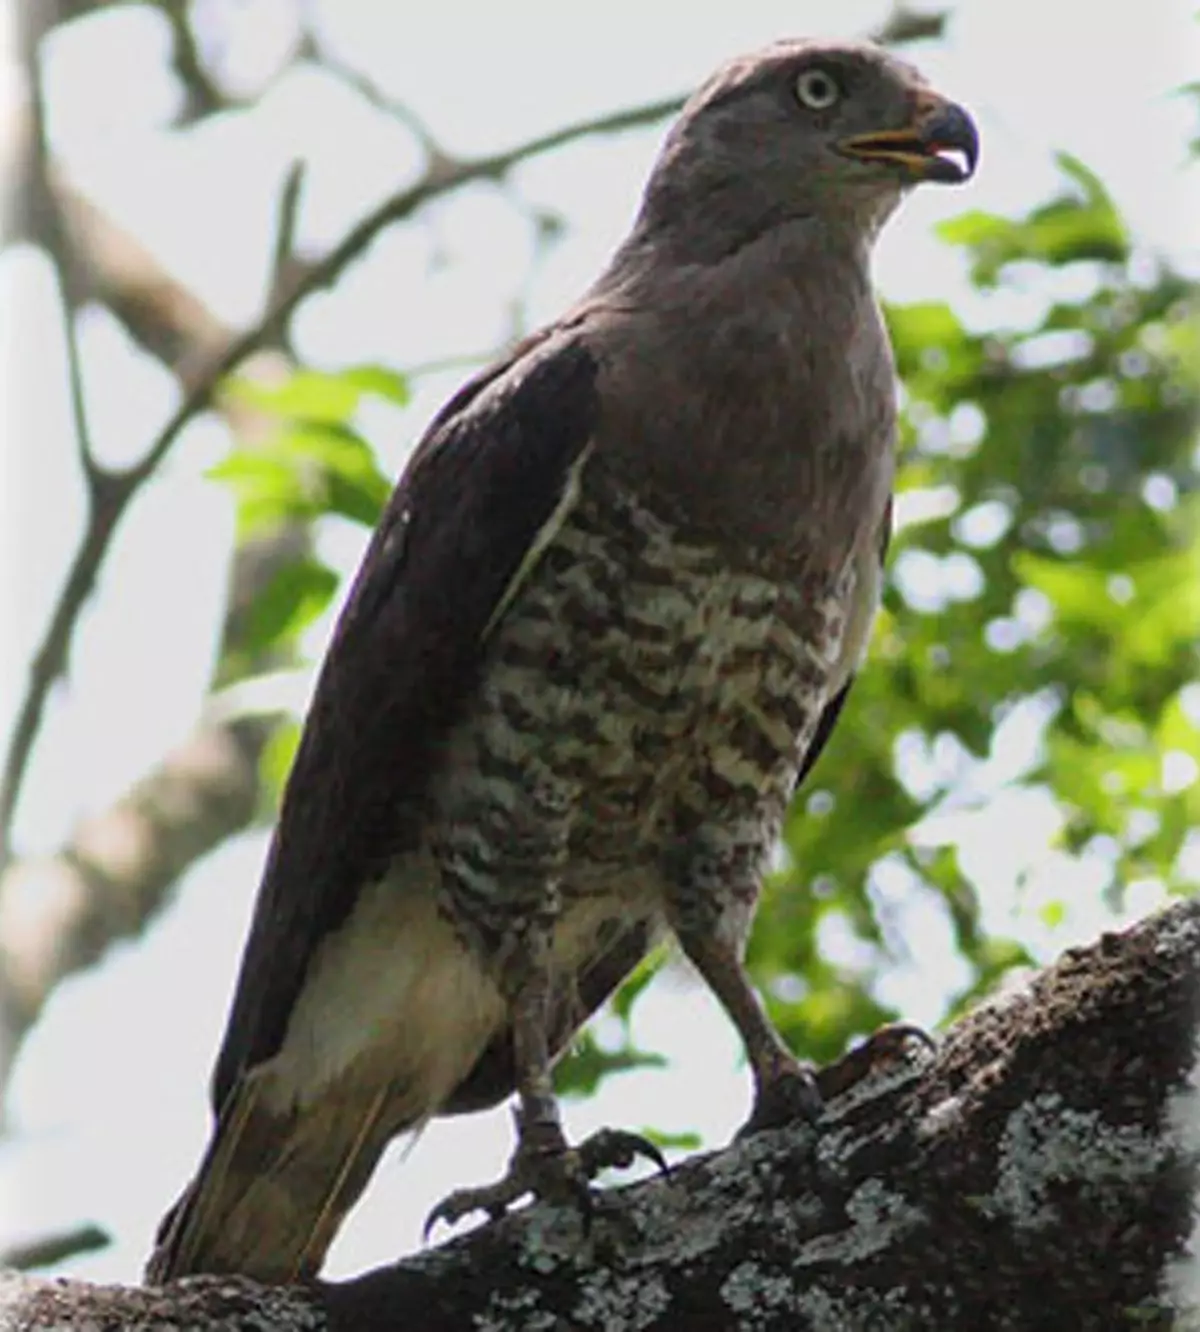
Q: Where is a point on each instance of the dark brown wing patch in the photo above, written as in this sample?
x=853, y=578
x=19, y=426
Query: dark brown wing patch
x=404, y=662
x=833, y=709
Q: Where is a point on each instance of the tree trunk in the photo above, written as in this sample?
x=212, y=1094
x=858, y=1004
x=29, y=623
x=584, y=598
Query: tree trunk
x=1036, y=1170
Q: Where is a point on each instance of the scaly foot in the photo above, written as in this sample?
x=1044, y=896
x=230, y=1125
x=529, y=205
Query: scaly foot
x=788, y=1092
x=543, y=1165
x=888, y=1049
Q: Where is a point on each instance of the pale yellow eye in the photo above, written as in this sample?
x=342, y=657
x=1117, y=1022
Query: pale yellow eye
x=817, y=89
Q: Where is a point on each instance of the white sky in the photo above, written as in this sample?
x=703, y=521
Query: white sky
x=108, y=1100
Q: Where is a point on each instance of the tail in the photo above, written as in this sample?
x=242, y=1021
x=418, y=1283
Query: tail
x=273, y=1188
x=392, y=1016
x=300, y=1135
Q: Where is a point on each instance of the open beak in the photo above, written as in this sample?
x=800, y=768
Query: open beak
x=942, y=144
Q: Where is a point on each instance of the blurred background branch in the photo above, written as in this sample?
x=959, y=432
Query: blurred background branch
x=59, y=913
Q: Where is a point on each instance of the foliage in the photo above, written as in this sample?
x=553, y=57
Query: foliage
x=314, y=465
x=1046, y=553
x=1055, y=465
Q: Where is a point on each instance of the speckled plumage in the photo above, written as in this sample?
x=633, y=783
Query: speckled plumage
x=644, y=712
x=605, y=626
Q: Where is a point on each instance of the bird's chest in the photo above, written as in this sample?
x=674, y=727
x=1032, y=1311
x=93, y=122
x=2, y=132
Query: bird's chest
x=638, y=690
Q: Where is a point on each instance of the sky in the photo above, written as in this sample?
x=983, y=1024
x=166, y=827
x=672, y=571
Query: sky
x=108, y=1101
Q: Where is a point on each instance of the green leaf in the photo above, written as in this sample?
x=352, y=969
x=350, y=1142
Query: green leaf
x=686, y=1141
x=635, y=984
x=379, y=382
x=923, y=324
x=580, y=1070
x=321, y=396
x=290, y=602
x=352, y=483
x=307, y=395
x=275, y=762
x=309, y=469
x=1081, y=225
x=268, y=488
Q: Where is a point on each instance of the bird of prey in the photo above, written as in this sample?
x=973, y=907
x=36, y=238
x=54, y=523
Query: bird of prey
x=606, y=624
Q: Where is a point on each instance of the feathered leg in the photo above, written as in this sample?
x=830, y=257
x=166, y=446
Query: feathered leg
x=543, y=1164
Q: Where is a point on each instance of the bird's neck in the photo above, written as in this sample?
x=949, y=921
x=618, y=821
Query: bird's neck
x=663, y=263
x=738, y=387
x=778, y=287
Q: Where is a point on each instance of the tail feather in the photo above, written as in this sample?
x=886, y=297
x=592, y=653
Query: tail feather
x=273, y=1187
x=393, y=1014
x=384, y=1035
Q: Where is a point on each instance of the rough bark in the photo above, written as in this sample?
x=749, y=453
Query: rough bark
x=1036, y=1170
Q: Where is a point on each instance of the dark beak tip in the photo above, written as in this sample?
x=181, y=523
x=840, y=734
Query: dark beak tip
x=951, y=127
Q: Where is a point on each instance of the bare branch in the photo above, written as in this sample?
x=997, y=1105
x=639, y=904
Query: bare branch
x=374, y=95
x=62, y=256
x=88, y=900
x=202, y=96
x=283, y=256
x=1037, y=1171
x=441, y=178
x=904, y=26
x=49, y=661
x=59, y=914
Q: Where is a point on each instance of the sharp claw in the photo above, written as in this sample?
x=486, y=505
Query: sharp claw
x=607, y=1148
x=442, y=1212
x=495, y=1201
x=613, y=1147
x=436, y=1215
x=791, y=1095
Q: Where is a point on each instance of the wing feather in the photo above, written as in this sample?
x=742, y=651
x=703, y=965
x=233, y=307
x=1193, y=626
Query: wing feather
x=858, y=633
x=496, y=466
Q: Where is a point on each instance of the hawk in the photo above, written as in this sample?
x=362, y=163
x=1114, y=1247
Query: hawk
x=605, y=626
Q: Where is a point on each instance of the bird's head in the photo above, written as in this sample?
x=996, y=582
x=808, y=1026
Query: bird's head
x=806, y=128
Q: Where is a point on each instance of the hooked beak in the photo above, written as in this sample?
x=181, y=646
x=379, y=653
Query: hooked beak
x=941, y=144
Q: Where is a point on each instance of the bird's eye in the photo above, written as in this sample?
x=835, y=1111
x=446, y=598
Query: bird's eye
x=817, y=89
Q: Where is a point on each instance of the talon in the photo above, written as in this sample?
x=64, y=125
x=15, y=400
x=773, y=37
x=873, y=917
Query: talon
x=493, y=1199
x=555, y=1176
x=615, y=1148
x=883, y=1049
x=894, y=1036
x=790, y=1094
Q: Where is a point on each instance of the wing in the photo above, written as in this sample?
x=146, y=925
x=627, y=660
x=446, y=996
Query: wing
x=486, y=479
x=858, y=633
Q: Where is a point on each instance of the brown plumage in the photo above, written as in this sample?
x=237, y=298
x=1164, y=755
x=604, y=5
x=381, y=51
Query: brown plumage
x=605, y=625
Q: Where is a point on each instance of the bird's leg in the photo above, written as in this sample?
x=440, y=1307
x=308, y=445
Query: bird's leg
x=784, y=1087
x=542, y=1164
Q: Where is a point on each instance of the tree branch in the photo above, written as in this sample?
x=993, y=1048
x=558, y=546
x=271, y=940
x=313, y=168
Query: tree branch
x=60, y=913
x=441, y=178
x=202, y=97
x=1037, y=1171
